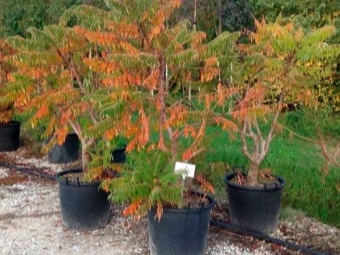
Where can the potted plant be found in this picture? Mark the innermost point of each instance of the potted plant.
(150, 64)
(9, 129)
(54, 85)
(279, 64)
(178, 215)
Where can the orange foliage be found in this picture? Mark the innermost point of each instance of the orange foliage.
(43, 111)
(127, 47)
(61, 134)
(105, 185)
(124, 80)
(151, 147)
(253, 97)
(205, 185)
(161, 144)
(35, 73)
(102, 38)
(197, 39)
(123, 29)
(177, 3)
(210, 69)
(208, 99)
(131, 145)
(10, 77)
(110, 134)
(223, 93)
(133, 207)
(226, 124)
(152, 80)
(100, 66)
(192, 150)
(155, 31)
(65, 116)
(176, 115)
(189, 130)
(21, 101)
(144, 134)
(159, 211)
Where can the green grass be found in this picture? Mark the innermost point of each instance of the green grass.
(298, 161)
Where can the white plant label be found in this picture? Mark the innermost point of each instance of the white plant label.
(187, 170)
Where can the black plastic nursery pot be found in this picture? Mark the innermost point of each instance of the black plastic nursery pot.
(65, 153)
(119, 155)
(180, 231)
(9, 136)
(254, 208)
(83, 205)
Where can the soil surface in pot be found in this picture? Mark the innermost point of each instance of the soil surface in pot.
(79, 176)
(30, 222)
(191, 200)
(265, 178)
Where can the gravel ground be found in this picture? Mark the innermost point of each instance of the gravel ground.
(30, 223)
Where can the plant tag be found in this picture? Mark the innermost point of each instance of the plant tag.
(187, 170)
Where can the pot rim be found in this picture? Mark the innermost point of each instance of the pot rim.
(71, 183)
(268, 187)
(72, 134)
(10, 123)
(192, 210)
(119, 149)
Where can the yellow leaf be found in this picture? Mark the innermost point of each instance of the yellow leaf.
(337, 186)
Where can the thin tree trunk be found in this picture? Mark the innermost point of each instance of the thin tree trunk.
(84, 155)
(174, 142)
(219, 18)
(252, 173)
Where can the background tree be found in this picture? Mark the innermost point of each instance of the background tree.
(16, 16)
(280, 65)
(148, 62)
(53, 85)
(309, 15)
(215, 16)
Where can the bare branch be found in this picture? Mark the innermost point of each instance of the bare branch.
(296, 134)
(90, 142)
(258, 131)
(250, 132)
(73, 70)
(274, 122)
(76, 128)
(244, 141)
(196, 153)
(326, 154)
(95, 121)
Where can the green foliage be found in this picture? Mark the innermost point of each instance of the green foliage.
(90, 17)
(308, 122)
(147, 181)
(17, 16)
(308, 14)
(300, 163)
(215, 16)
